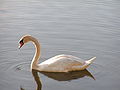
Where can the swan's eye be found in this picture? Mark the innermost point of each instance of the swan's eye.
(21, 41)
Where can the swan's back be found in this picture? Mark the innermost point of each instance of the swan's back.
(63, 59)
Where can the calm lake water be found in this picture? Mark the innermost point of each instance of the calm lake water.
(83, 28)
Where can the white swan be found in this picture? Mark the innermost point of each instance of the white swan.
(59, 63)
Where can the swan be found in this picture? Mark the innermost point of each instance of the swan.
(58, 63)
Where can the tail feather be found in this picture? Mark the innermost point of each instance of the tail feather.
(84, 66)
(87, 63)
(91, 60)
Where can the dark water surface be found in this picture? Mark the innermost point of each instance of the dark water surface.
(83, 28)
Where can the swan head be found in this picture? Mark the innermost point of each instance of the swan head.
(24, 40)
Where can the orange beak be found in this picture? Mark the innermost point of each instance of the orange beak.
(21, 44)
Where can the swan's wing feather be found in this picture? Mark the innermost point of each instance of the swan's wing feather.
(61, 63)
(63, 59)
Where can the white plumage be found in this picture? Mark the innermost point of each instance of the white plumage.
(59, 63)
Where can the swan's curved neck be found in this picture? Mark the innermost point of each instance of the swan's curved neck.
(37, 53)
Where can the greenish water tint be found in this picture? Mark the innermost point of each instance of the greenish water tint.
(83, 28)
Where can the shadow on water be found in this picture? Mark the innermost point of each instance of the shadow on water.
(60, 76)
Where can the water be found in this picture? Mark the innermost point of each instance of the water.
(83, 28)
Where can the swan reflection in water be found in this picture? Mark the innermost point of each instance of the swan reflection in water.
(37, 79)
(61, 76)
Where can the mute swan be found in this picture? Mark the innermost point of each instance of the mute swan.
(59, 63)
